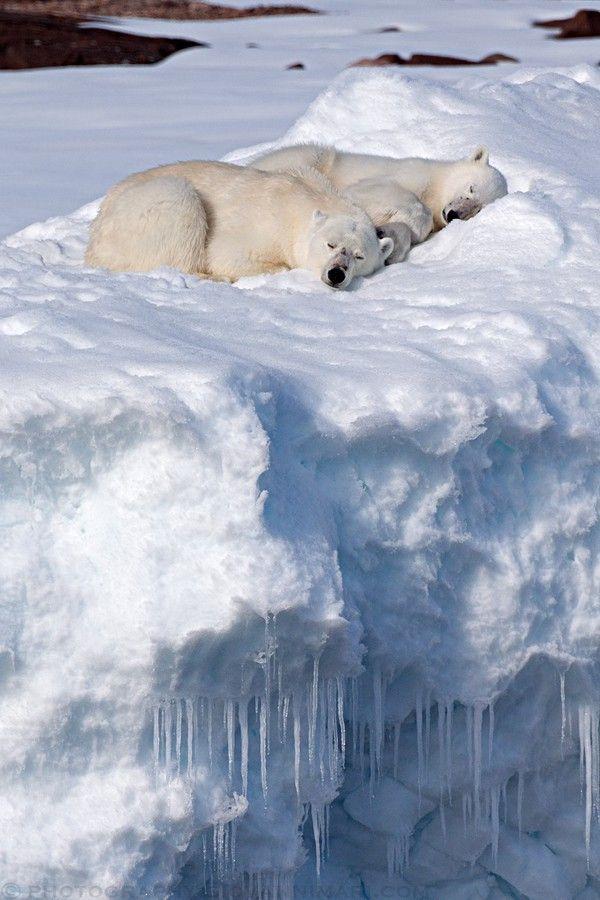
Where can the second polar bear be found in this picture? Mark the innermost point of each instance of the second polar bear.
(407, 198)
(224, 221)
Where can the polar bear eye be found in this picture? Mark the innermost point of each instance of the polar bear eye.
(331, 246)
(358, 256)
(471, 190)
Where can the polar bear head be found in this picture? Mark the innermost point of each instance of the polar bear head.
(465, 187)
(343, 247)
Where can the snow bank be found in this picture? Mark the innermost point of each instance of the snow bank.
(287, 572)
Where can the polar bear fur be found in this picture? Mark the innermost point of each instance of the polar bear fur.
(407, 198)
(224, 221)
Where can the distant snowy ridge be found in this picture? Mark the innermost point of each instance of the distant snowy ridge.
(287, 573)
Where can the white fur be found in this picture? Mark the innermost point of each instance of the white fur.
(407, 198)
(224, 221)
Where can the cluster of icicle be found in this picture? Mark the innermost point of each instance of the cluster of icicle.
(312, 724)
(192, 734)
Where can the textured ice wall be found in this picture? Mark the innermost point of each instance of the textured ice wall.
(286, 573)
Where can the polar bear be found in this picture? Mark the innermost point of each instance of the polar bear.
(406, 198)
(224, 221)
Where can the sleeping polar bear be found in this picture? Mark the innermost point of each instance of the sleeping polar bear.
(406, 198)
(224, 221)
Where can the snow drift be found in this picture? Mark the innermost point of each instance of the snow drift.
(299, 585)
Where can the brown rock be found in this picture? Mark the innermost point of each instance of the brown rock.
(33, 42)
(496, 58)
(297, 65)
(153, 9)
(428, 59)
(386, 59)
(584, 24)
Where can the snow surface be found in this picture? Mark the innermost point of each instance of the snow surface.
(252, 532)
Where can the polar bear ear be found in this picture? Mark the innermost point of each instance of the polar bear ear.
(318, 216)
(481, 155)
(386, 245)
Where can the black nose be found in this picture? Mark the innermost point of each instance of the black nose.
(452, 215)
(336, 275)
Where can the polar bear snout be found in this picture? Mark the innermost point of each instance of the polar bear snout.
(336, 276)
(462, 208)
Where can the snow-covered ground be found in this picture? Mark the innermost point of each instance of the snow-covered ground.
(68, 134)
(272, 554)
(295, 582)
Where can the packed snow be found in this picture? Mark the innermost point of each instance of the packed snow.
(300, 589)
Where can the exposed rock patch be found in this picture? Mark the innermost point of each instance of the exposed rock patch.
(296, 65)
(584, 24)
(34, 42)
(152, 9)
(427, 59)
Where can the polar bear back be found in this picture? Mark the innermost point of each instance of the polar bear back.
(213, 218)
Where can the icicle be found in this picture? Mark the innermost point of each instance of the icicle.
(490, 731)
(178, 733)
(189, 718)
(397, 855)
(477, 727)
(595, 761)
(563, 717)
(449, 715)
(230, 726)
(427, 732)
(296, 713)
(210, 732)
(243, 717)
(580, 723)
(354, 715)
(232, 844)
(263, 748)
(331, 731)
(442, 774)
(316, 824)
(586, 764)
(495, 821)
(469, 724)
(321, 722)
(464, 812)
(156, 737)
(419, 717)
(313, 709)
(168, 724)
(520, 791)
(340, 714)
(285, 714)
(280, 702)
(504, 802)
(269, 656)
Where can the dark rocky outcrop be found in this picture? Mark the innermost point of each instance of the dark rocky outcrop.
(33, 42)
(428, 59)
(584, 24)
(153, 9)
(296, 65)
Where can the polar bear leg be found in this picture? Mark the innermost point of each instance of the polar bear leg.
(386, 201)
(148, 223)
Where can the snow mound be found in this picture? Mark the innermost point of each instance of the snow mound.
(292, 574)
